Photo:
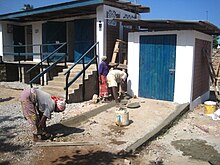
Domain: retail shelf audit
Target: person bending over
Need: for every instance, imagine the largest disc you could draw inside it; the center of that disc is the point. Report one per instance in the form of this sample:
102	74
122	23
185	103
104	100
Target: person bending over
37	107
116	78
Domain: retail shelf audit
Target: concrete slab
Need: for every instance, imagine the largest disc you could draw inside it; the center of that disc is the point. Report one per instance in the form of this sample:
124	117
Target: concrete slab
146	122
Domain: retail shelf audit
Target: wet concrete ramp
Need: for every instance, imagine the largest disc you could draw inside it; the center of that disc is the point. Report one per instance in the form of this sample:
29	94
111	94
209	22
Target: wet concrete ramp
145	122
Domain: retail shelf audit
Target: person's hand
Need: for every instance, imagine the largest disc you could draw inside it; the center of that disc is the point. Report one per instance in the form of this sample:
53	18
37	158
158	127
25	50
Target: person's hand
42	123
100	80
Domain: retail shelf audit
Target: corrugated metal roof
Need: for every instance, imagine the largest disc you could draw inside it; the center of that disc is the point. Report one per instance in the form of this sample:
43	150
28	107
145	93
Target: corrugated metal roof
72	8
165	25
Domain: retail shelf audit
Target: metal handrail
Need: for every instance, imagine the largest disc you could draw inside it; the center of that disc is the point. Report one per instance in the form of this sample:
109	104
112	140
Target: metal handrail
81	58
34	45
28	54
79	74
19	54
49	66
46	70
67	73
47	57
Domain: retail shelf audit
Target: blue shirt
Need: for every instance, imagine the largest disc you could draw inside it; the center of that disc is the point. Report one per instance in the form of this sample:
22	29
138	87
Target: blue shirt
103	68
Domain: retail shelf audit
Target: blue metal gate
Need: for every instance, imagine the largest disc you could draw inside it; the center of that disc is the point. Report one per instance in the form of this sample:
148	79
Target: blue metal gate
157	66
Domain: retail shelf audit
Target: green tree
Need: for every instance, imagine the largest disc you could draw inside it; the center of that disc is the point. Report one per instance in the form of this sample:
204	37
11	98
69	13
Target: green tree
27	7
215	41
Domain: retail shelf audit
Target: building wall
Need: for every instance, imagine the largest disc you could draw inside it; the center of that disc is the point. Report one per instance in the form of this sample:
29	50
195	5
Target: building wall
103	12
204	88
201	72
37	39
100	32
185	51
112	30
7	30
1	41
9	72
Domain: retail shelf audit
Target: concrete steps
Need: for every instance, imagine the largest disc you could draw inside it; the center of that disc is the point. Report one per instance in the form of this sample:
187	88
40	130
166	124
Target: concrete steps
57	84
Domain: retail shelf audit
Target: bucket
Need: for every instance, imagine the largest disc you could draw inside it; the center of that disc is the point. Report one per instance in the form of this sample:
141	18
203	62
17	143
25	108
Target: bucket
122	117
210	107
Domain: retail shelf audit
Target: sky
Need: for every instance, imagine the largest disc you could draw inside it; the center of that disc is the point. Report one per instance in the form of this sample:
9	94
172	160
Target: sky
160	9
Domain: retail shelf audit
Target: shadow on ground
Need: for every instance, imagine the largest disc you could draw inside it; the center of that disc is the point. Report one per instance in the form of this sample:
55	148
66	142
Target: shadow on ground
7	133
63	130
91	157
6	99
8	140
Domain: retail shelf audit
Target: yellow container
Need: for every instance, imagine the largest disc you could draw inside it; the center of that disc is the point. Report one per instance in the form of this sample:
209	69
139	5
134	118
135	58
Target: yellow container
210	107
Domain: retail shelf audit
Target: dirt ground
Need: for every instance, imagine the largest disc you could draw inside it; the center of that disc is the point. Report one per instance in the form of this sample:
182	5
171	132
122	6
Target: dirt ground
194	139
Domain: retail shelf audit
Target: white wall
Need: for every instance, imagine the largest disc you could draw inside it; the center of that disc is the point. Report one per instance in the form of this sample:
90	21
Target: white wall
37	39
184	66
1	41
104	18
185	51
100	33
133	63
7	40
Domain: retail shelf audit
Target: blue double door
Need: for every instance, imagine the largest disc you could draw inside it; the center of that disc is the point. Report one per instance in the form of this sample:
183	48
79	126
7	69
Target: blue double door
157	66
83	38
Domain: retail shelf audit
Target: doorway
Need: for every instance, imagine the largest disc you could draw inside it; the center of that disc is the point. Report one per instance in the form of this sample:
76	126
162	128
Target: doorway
157	66
83	38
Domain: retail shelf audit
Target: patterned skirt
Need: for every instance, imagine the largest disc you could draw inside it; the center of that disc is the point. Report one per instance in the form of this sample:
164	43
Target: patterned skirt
29	110
103	87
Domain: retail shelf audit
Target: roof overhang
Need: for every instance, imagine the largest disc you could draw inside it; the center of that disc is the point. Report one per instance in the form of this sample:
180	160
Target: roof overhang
71	9
165	25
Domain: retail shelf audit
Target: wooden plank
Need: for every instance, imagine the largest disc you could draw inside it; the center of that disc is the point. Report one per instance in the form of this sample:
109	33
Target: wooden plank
202	128
125	61
57	144
122	66
210	66
116	49
121	41
122	47
217	69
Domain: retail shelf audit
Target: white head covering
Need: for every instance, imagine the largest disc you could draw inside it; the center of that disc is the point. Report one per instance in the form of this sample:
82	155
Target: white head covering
103	58
61	105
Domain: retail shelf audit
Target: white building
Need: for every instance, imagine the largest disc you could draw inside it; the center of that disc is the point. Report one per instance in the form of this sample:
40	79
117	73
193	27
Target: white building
168	60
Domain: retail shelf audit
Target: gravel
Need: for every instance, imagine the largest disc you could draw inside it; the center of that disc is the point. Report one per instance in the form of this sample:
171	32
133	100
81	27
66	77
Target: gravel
15	135
17	146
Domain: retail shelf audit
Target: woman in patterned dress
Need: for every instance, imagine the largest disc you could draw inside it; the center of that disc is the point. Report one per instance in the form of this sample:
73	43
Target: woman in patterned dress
103	86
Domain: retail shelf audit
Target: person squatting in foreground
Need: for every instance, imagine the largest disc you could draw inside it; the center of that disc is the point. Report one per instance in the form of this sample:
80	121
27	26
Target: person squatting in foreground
37	107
